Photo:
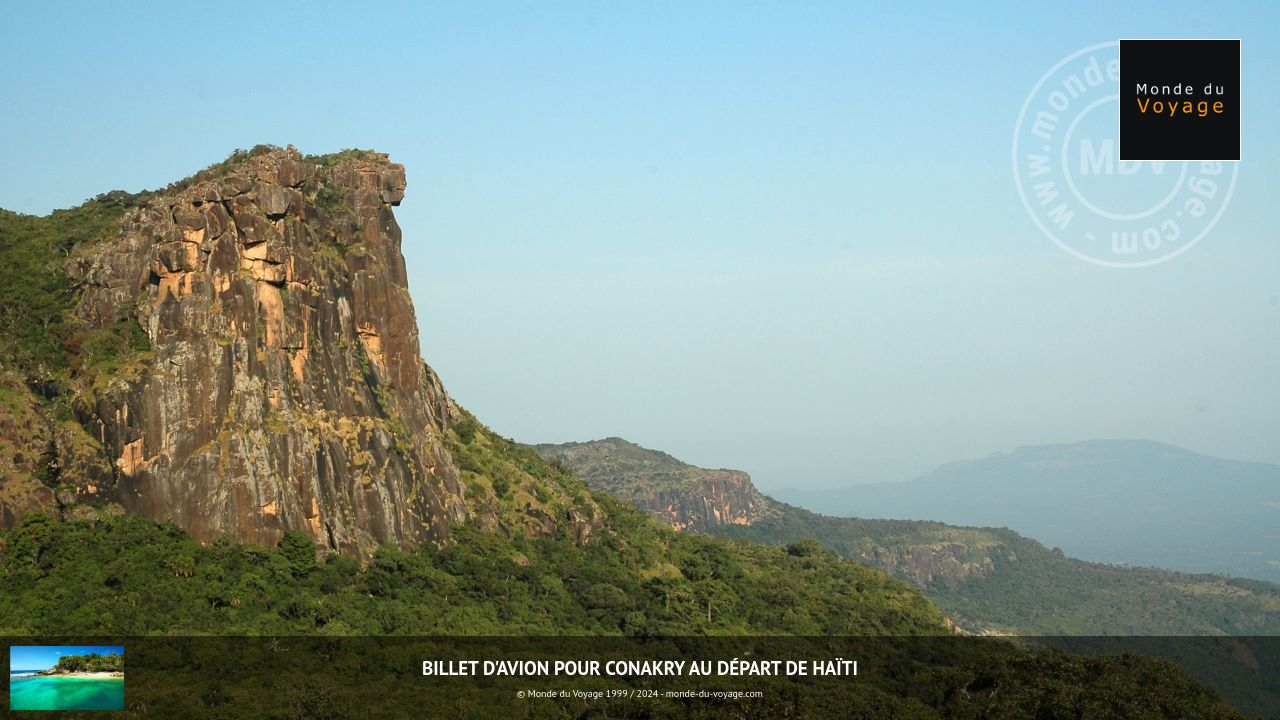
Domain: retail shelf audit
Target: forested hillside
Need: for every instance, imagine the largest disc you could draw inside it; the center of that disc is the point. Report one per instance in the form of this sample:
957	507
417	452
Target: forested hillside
994	580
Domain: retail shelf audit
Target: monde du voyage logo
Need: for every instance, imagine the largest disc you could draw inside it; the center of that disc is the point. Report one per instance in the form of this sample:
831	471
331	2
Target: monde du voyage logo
1124	152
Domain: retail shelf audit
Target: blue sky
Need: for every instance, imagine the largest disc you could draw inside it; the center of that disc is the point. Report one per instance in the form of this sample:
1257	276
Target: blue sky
43	657
776	236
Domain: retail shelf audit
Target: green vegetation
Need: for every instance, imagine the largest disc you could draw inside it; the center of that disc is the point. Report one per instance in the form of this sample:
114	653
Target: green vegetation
38	333
135	576
1037	591
513	484
49	359
236	158
130	576
93	662
1016	585
623	468
329	160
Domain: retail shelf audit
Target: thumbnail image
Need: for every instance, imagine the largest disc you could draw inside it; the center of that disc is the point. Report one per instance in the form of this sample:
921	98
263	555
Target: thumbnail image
66	677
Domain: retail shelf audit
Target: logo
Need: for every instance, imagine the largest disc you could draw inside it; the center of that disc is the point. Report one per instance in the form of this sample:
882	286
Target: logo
1180	99
1083	197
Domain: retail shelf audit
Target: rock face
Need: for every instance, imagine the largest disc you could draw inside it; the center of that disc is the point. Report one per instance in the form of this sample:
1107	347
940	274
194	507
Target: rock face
948	564
682	495
284	387
715	497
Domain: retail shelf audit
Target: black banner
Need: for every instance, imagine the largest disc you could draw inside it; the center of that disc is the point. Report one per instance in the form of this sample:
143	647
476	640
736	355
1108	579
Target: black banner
321	678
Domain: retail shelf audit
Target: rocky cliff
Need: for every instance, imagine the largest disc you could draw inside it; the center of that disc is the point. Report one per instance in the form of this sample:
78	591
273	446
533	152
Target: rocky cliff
681	495
244	360
946	563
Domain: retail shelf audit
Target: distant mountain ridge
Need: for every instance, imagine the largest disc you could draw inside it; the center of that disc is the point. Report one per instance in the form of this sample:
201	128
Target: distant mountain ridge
1135	502
987	579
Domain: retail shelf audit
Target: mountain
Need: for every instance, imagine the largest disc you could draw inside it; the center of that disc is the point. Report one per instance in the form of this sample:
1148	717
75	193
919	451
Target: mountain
214	420
988	580
1117	501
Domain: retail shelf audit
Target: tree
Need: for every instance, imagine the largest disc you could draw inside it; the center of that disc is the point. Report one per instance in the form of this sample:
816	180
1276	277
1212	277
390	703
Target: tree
299	549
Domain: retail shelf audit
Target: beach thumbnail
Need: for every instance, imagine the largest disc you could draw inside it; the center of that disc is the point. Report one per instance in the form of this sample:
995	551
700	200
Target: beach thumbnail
66	677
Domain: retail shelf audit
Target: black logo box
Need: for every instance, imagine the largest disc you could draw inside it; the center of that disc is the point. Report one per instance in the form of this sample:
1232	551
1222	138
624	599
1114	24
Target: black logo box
1187	68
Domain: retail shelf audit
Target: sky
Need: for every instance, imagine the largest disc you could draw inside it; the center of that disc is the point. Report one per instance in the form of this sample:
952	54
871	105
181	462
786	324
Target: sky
43	657
781	237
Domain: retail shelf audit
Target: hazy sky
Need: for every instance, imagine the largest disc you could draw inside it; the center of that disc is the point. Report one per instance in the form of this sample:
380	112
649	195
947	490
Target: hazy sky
782	237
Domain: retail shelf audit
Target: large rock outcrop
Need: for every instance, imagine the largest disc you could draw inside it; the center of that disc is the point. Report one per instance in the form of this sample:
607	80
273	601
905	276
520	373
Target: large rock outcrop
681	495
947	563
713	497
283	386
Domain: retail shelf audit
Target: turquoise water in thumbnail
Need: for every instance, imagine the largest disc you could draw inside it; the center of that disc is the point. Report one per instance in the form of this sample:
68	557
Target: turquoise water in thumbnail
65	693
